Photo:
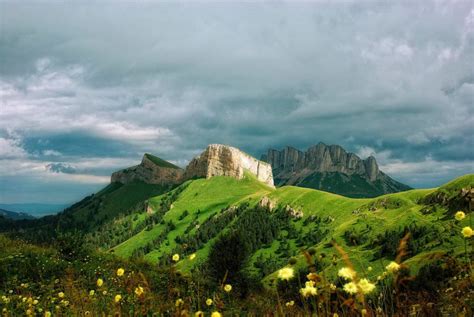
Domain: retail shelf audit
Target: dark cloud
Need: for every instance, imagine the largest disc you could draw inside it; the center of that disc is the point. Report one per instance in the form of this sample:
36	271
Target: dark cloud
61	168
94	85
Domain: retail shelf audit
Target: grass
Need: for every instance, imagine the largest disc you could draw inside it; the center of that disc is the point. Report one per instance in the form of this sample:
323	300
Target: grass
204	197
22	263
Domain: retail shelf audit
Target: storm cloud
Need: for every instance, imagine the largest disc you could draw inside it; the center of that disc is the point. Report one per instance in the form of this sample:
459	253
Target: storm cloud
92	86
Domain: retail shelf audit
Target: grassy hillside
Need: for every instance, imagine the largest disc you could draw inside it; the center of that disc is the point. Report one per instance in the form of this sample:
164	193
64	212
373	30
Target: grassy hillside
241	233
368	229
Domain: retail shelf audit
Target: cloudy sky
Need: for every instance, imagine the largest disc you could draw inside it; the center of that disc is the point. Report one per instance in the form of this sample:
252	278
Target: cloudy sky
88	87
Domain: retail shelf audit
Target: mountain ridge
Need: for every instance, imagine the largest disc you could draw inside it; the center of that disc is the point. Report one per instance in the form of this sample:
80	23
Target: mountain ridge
330	168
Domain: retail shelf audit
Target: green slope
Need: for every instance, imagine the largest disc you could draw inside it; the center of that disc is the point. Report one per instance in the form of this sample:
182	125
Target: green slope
363	227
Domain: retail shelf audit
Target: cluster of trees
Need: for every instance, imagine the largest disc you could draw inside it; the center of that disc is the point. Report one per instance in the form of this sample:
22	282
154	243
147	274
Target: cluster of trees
387	243
357	236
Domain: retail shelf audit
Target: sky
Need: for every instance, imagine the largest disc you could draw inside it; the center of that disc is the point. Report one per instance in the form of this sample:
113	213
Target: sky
87	87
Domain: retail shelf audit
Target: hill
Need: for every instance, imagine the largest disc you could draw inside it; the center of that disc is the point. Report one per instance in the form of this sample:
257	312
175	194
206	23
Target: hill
15	215
331	168
192	217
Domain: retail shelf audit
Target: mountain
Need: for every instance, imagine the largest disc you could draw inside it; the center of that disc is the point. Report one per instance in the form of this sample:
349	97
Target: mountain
151	170
15	215
35	209
224	160
331	168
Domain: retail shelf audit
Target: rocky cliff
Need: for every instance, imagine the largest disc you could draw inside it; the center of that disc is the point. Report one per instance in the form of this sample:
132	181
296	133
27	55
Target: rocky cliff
152	170
223	160
330	168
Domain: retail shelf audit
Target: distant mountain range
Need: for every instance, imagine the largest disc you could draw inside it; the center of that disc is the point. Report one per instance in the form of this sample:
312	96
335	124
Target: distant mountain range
332	169
15	215
35	209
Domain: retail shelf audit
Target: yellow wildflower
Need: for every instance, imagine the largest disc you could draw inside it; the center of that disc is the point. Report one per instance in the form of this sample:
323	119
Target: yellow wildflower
347	273
118	298
35	302
290	303
369	269
139	291
350	288
467	232
227	288
363	312
60	294
100	282
91	292
104	293
192	256
332	287
286	273
365	286
393	267
120	272
208	302
179	302
199	314
460	216
309	289
216	314
175	257
312	276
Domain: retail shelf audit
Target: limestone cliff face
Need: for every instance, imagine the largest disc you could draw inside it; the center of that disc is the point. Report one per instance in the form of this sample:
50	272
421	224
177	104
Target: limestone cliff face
152	170
320	158
223	160
330	168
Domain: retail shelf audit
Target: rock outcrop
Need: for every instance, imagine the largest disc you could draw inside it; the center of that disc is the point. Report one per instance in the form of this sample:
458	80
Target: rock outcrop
152	170
330	168
223	160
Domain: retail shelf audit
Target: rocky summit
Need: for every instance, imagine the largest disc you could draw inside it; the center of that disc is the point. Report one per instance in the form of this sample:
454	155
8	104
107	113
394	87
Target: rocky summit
330	168
152	170
223	160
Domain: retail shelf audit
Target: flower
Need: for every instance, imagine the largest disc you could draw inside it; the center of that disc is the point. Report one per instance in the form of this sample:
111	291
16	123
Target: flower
91	292
216	314
199	314
363	312
365	286
139	291
312	276
286	273
347	273
47	313
309	289
467	232
179	302
192	256
459	215
99	282
392	267
35	302
60	294
208	302
369	268
332	287
118	298
120	272
104	293
227	288
350	288
290	303
175	257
